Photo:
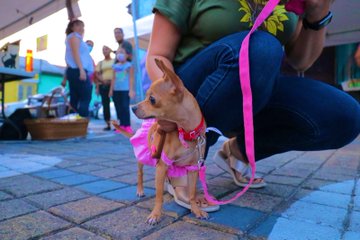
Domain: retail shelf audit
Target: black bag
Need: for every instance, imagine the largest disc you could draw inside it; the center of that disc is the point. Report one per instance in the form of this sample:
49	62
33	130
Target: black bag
14	128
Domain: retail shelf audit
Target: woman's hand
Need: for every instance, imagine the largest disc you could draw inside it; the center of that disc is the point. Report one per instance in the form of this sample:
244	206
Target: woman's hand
82	75
315	10
63	82
132	93
97	91
306	45
111	91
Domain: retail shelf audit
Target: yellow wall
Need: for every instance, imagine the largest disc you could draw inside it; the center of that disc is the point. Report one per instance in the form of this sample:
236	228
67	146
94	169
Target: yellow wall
12	90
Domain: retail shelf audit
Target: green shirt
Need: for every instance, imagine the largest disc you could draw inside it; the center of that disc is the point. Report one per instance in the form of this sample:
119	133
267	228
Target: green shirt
202	22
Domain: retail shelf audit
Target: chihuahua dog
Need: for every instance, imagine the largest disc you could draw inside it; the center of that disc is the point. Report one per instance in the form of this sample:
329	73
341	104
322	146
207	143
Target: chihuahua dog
168	99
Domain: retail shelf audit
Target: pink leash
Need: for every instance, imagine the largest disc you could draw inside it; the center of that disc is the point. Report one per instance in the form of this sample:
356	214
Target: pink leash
244	73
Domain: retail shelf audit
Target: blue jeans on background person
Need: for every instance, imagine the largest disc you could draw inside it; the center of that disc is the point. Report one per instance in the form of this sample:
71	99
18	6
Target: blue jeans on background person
80	91
121	101
290	113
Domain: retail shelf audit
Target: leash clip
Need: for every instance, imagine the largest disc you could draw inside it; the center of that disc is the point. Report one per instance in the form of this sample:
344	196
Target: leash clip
200	142
201	162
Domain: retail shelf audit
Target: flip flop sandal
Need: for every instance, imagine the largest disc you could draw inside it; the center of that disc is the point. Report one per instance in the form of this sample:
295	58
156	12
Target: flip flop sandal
245	172
171	191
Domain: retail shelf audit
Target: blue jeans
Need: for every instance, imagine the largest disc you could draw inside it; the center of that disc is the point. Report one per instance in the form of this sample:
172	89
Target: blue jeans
80	91
122	101
290	113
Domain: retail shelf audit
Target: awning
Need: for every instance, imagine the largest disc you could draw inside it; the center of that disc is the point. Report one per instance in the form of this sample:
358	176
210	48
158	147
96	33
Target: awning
144	27
16	15
344	28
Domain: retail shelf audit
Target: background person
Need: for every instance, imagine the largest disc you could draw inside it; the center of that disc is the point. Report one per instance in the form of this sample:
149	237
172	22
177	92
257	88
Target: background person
90	45
119	37
104	76
79	67
122	89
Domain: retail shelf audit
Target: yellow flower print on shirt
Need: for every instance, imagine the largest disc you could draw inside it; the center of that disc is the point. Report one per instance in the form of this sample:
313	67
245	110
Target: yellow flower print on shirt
272	24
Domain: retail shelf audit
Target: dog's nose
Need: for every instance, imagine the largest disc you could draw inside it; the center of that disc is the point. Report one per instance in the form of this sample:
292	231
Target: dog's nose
134	108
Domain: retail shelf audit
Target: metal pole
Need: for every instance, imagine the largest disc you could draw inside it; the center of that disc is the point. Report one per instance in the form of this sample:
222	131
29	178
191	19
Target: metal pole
136	51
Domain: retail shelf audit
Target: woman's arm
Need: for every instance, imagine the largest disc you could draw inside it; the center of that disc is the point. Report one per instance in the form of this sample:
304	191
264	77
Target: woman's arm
98	77
165	38
111	90
306	45
75	46
99	74
63	82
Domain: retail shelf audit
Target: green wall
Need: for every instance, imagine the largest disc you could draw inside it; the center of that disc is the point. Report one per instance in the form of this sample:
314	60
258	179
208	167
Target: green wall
50	81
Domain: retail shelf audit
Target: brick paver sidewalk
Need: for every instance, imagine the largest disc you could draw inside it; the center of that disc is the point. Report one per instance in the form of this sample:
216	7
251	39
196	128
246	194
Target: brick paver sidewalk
85	189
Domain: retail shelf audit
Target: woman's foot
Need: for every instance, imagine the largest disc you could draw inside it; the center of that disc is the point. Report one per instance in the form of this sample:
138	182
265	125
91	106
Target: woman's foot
177	187
230	159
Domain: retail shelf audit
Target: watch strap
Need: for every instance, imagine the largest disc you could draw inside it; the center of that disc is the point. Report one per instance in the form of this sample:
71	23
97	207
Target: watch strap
319	24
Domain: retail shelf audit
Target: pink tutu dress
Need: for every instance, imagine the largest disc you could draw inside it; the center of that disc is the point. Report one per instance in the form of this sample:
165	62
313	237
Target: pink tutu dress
143	152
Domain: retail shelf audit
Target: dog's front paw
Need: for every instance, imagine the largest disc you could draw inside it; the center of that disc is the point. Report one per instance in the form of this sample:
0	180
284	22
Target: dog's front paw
199	213
140	193
154	217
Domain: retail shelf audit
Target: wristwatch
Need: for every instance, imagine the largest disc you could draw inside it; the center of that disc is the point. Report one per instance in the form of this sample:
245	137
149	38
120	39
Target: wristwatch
316	26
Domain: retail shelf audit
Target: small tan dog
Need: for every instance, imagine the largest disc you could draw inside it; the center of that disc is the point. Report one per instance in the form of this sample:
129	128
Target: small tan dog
168	99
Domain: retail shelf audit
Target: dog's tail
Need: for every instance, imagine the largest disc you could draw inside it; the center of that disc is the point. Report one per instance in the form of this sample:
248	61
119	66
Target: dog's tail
121	130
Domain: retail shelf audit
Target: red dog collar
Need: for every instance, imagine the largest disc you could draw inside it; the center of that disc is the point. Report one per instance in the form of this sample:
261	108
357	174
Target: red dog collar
194	134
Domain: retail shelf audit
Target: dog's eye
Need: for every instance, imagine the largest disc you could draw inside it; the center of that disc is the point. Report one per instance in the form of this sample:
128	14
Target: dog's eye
152	100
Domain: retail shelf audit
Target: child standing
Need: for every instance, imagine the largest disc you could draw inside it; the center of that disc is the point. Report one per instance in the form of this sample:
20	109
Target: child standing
122	88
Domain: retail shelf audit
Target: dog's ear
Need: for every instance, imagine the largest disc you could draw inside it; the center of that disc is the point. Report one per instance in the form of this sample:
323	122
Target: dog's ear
160	65
169	75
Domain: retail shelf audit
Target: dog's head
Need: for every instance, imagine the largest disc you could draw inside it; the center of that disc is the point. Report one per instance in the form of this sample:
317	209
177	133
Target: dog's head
163	98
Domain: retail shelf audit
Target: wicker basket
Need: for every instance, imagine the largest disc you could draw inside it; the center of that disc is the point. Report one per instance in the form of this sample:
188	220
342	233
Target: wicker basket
56	129
54	104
